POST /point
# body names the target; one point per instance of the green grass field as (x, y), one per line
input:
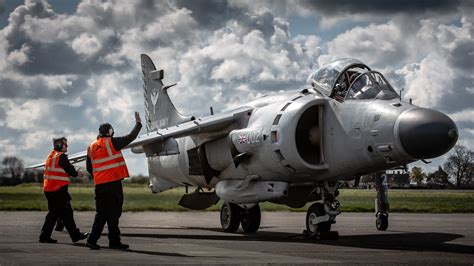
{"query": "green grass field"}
(29, 197)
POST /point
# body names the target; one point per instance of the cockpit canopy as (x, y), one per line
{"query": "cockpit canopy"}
(349, 78)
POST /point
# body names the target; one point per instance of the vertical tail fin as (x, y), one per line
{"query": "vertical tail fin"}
(160, 112)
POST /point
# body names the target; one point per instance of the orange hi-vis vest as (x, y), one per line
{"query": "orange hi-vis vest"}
(108, 164)
(54, 175)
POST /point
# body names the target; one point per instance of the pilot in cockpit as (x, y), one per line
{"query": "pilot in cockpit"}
(343, 84)
(340, 88)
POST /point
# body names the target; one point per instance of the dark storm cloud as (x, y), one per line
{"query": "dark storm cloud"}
(460, 99)
(383, 7)
(58, 58)
(211, 14)
(3, 115)
(129, 14)
(98, 21)
(2, 6)
(462, 56)
(37, 87)
(263, 22)
(215, 14)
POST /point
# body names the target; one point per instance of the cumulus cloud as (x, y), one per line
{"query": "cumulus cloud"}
(86, 45)
(424, 83)
(20, 56)
(64, 74)
(374, 45)
(466, 115)
(28, 115)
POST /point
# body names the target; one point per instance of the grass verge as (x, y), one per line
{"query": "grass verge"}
(30, 197)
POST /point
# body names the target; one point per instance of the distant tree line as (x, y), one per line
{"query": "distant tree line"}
(13, 172)
(459, 167)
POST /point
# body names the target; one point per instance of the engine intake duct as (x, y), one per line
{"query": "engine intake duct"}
(308, 136)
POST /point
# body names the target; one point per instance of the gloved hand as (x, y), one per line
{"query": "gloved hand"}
(137, 117)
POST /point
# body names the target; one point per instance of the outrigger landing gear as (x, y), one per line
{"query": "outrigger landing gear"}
(381, 202)
(322, 214)
(232, 215)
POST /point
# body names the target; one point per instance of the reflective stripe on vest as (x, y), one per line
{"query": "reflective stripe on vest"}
(54, 175)
(110, 166)
(61, 175)
(107, 164)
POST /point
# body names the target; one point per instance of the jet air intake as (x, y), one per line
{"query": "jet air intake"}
(426, 133)
(308, 137)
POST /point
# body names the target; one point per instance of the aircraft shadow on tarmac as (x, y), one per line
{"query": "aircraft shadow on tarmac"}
(431, 241)
(154, 253)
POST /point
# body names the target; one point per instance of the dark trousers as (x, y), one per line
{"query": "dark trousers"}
(108, 205)
(59, 206)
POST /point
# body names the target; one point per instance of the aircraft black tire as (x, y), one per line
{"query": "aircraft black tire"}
(381, 222)
(313, 229)
(230, 217)
(250, 219)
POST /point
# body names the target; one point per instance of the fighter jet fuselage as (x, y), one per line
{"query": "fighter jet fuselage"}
(293, 139)
(288, 147)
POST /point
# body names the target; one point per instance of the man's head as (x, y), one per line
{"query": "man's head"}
(60, 144)
(106, 130)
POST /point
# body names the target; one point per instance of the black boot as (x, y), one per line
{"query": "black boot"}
(118, 245)
(80, 236)
(93, 246)
(47, 240)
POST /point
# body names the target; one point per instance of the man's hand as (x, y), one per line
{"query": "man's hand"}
(137, 117)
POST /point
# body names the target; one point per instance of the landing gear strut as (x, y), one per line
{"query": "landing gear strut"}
(322, 214)
(232, 215)
(381, 203)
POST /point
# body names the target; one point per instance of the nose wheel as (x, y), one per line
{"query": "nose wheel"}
(317, 224)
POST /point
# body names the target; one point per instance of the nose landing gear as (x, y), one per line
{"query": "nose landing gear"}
(322, 214)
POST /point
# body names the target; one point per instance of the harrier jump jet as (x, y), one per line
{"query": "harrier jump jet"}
(288, 148)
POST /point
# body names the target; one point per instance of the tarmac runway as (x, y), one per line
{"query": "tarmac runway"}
(196, 238)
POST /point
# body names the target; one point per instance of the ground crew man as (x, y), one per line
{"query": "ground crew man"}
(57, 171)
(106, 164)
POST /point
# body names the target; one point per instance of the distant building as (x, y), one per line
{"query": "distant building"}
(396, 178)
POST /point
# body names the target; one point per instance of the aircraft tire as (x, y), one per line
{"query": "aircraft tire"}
(230, 217)
(250, 219)
(314, 229)
(382, 221)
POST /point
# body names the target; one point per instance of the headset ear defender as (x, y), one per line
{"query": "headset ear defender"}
(58, 143)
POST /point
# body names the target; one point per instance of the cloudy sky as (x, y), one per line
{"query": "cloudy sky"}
(68, 66)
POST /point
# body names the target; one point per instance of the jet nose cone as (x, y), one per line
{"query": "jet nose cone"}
(426, 133)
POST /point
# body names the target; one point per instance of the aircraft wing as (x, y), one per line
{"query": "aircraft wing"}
(74, 158)
(201, 125)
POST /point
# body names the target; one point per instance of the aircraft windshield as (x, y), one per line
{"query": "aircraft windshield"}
(325, 78)
(371, 85)
(351, 79)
